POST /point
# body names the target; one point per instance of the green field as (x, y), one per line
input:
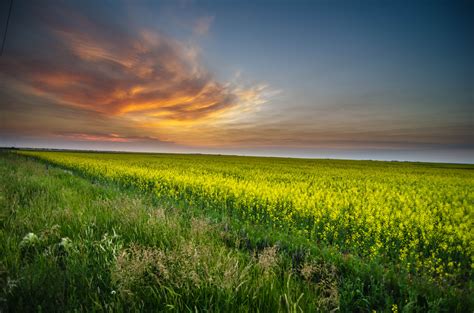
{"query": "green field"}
(164, 232)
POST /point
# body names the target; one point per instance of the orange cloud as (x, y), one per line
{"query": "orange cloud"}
(144, 73)
(108, 137)
(140, 78)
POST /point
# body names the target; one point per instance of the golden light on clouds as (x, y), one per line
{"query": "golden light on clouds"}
(152, 83)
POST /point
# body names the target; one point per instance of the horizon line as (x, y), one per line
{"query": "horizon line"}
(224, 154)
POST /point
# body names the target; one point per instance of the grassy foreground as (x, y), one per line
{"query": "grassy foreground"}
(74, 243)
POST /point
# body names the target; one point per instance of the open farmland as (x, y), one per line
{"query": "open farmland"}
(384, 235)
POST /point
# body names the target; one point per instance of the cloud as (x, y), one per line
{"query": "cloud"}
(111, 137)
(151, 73)
(202, 25)
(125, 77)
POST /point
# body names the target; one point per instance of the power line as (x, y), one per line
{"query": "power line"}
(6, 27)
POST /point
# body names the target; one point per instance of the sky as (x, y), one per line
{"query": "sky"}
(386, 80)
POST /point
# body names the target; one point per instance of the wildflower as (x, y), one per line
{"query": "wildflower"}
(66, 244)
(30, 240)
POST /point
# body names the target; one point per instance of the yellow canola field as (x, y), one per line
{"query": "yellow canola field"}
(417, 215)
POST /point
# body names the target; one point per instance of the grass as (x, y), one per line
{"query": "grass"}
(71, 243)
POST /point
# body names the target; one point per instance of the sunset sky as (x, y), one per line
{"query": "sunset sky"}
(341, 79)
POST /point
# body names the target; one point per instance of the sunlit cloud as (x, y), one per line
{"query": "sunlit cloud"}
(141, 76)
(112, 137)
(155, 74)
